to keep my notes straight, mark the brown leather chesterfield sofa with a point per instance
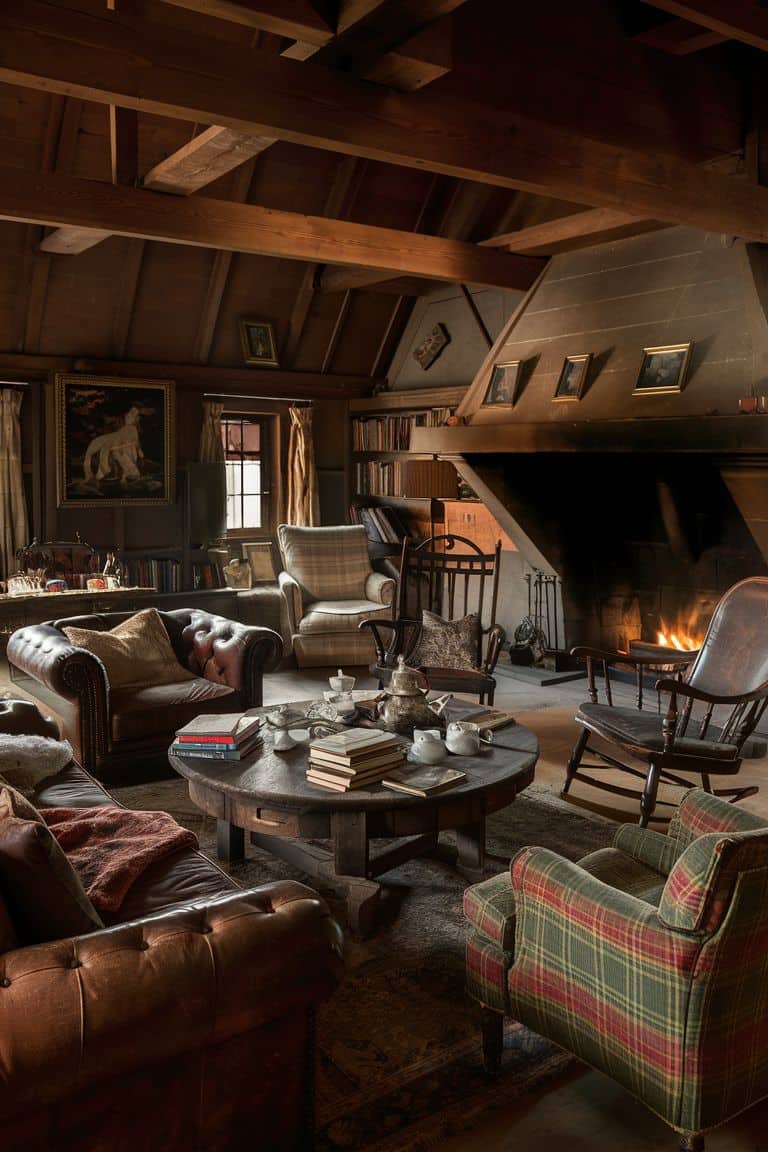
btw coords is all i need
(122, 735)
(186, 1027)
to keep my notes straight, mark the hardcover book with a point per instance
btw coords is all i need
(218, 751)
(229, 728)
(388, 759)
(353, 744)
(424, 781)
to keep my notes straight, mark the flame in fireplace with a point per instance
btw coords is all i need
(683, 635)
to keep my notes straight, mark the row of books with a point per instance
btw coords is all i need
(393, 433)
(163, 574)
(207, 576)
(229, 736)
(379, 478)
(382, 524)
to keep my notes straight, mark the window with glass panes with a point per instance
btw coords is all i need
(246, 456)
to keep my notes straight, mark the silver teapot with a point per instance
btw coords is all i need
(404, 705)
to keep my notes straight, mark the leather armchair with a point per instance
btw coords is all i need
(329, 588)
(123, 735)
(648, 960)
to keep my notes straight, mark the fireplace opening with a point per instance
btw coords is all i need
(645, 544)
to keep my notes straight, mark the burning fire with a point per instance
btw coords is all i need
(683, 636)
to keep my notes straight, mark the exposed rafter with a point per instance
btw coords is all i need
(578, 230)
(679, 37)
(209, 223)
(735, 20)
(98, 59)
(296, 19)
(217, 150)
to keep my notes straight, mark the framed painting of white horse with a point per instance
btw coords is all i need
(114, 441)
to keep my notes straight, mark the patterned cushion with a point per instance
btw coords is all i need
(44, 895)
(327, 563)
(447, 643)
(135, 652)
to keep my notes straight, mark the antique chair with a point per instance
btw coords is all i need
(119, 684)
(329, 587)
(446, 618)
(647, 960)
(701, 716)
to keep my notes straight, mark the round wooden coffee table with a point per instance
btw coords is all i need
(268, 796)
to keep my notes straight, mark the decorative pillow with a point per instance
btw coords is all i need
(136, 652)
(26, 760)
(447, 643)
(44, 895)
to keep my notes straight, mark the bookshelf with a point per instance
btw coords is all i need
(384, 470)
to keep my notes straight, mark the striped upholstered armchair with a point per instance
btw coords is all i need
(329, 587)
(648, 960)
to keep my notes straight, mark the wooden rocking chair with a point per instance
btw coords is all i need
(712, 706)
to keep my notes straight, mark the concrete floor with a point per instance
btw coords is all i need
(583, 1110)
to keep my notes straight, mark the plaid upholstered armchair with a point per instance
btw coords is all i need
(648, 960)
(329, 587)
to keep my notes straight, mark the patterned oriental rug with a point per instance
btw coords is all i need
(399, 1066)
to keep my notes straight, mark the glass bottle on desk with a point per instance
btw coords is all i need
(112, 571)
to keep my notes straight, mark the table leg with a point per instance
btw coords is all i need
(470, 845)
(349, 831)
(230, 841)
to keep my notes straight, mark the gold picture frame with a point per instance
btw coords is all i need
(258, 340)
(114, 441)
(260, 555)
(504, 384)
(573, 377)
(663, 369)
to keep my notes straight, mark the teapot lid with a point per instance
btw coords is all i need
(404, 680)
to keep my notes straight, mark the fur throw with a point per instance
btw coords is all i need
(26, 760)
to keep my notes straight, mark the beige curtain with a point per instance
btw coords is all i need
(211, 445)
(303, 503)
(14, 529)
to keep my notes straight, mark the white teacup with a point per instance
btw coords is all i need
(464, 738)
(340, 682)
(428, 745)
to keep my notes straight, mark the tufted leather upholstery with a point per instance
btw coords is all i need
(187, 1027)
(125, 734)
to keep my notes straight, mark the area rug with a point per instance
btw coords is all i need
(399, 1064)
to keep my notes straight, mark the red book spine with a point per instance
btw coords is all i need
(201, 738)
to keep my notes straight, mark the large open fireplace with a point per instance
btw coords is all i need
(645, 504)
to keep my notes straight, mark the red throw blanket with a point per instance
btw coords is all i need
(111, 847)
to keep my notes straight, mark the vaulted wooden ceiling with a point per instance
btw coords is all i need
(169, 166)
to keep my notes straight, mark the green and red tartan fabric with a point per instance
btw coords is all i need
(657, 976)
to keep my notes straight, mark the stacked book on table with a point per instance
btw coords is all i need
(354, 758)
(229, 736)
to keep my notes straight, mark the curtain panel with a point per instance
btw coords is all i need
(303, 502)
(14, 528)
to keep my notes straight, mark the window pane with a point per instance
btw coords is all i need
(251, 438)
(252, 511)
(252, 476)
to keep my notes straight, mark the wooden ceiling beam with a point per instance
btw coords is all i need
(679, 37)
(101, 59)
(202, 221)
(217, 150)
(577, 230)
(296, 19)
(741, 20)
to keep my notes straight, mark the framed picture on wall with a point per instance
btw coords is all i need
(114, 441)
(663, 369)
(573, 377)
(503, 384)
(258, 340)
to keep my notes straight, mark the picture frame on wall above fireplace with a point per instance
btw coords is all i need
(573, 377)
(114, 441)
(663, 369)
(504, 384)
